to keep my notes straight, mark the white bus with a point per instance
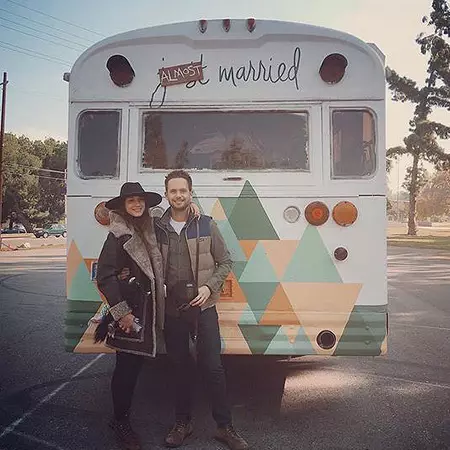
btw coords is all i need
(282, 127)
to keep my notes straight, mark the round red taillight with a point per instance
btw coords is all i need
(341, 253)
(101, 214)
(120, 70)
(317, 213)
(333, 68)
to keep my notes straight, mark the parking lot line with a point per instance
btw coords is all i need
(48, 397)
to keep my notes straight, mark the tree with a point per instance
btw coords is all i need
(434, 198)
(52, 185)
(422, 143)
(32, 195)
(21, 189)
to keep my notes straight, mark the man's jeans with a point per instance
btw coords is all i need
(209, 361)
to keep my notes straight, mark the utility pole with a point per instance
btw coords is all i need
(2, 134)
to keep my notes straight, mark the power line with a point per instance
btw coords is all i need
(39, 37)
(43, 32)
(32, 53)
(46, 25)
(34, 168)
(42, 94)
(55, 18)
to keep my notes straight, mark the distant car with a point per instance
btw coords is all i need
(16, 229)
(56, 229)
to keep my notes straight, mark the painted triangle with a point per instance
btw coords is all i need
(279, 310)
(74, 259)
(322, 306)
(258, 296)
(311, 261)
(258, 337)
(258, 267)
(248, 247)
(279, 253)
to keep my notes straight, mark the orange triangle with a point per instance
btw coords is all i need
(248, 247)
(217, 212)
(74, 259)
(280, 254)
(237, 294)
(322, 306)
(279, 310)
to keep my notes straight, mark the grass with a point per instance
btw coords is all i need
(436, 237)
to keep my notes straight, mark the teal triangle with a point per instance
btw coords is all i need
(258, 337)
(233, 245)
(238, 268)
(258, 267)
(247, 317)
(249, 219)
(248, 191)
(258, 296)
(228, 204)
(311, 261)
(281, 345)
(302, 345)
(82, 288)
(197, 202)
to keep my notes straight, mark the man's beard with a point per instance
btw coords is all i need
(179, 207)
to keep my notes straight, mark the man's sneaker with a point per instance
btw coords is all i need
(125, 435)
(180, 431)
(229, 436)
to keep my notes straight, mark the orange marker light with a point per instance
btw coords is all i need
(317, 213)
(345, 214)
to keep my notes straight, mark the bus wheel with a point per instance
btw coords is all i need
(64, 234)
(45, 235)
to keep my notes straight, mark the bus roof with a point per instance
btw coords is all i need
(275, 62)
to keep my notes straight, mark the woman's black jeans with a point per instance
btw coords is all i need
(123, 382)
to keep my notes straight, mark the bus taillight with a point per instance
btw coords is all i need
(120, 70)
(345, 214)
(202, 25)
(333, 68)
(341, 253)
(317, 213)
(251, 24)
(326, 339)
(226, 24)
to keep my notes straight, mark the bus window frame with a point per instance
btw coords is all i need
(355, 108)
(77, 167)
(297, 109)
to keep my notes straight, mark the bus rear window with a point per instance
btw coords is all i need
(353, 145)
(98, 144)
(226, 140)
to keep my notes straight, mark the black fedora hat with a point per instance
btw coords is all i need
(130, 190)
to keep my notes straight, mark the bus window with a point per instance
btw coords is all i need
(226, 140)
(353, 145)
(98, 144)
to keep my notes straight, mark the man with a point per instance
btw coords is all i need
(194, 253)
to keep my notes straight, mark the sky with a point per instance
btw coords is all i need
(37, 97)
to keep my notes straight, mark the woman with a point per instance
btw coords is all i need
(136, 304)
